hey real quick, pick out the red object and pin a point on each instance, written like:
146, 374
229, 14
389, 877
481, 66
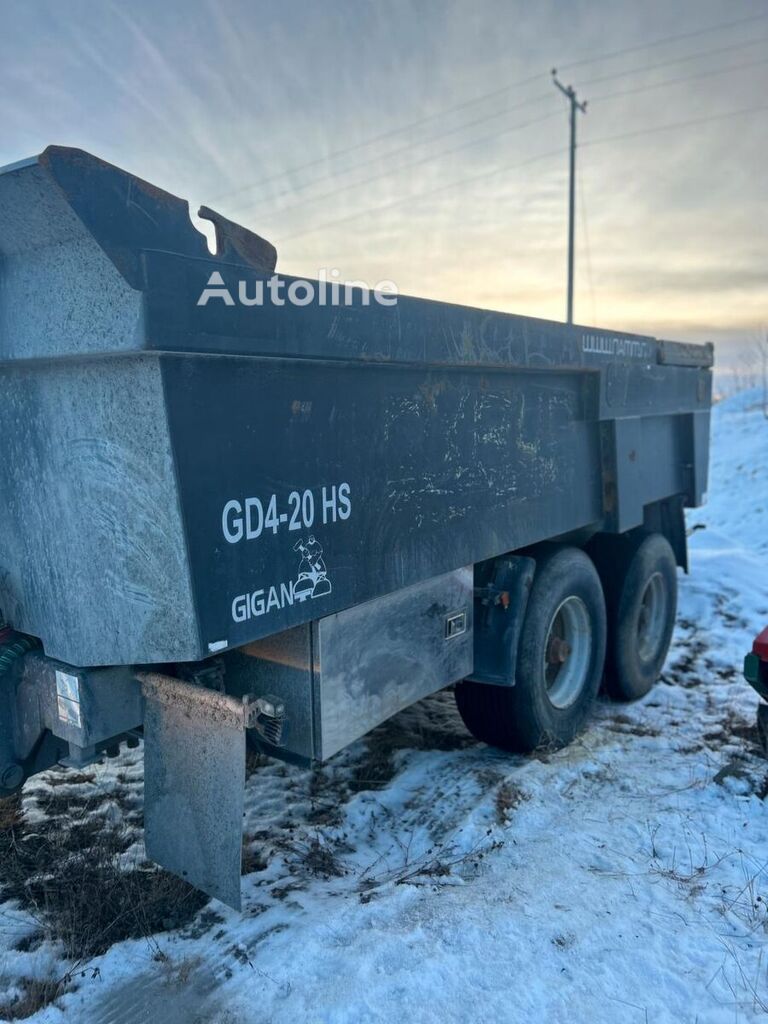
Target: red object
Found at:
760, 646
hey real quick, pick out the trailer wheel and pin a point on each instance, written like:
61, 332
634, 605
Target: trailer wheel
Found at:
642, 603
559, 663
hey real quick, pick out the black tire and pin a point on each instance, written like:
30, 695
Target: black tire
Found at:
534, 712
641, 596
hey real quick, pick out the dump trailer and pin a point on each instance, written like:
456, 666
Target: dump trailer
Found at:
231, 519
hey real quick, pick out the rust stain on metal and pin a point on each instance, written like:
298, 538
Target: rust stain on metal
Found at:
430, 392
254, 249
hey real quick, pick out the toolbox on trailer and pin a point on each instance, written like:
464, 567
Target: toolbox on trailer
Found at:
297, 509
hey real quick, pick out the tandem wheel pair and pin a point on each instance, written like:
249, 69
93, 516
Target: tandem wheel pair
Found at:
603, 615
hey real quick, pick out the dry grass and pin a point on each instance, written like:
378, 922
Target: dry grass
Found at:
35, 995
314, 857
253, 858
508, 798
72, 873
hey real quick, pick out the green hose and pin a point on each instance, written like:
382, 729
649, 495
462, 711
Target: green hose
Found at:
15, 647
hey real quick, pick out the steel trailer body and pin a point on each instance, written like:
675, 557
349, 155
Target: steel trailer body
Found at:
163, 459
186, 476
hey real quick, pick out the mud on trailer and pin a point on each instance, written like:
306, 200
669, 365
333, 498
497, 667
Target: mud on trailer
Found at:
285, 523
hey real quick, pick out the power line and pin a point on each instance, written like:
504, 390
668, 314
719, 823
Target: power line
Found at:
407, 148
663, 42
486, 138
679, 81
423, 195
676, 60
377, 138
378, 158
678, 124
421, 160
517, 127
509, 167
722, 26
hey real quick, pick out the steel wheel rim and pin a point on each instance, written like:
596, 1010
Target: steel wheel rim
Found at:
567, 652
652, 618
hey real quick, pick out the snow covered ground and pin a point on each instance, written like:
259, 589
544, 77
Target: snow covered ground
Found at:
421, 876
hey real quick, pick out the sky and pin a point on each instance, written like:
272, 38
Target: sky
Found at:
423, 141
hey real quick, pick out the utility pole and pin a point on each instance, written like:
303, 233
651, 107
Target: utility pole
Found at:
570, 95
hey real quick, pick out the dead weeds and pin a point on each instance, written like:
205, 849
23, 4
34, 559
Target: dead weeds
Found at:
32, 995
509, 796
73, 873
